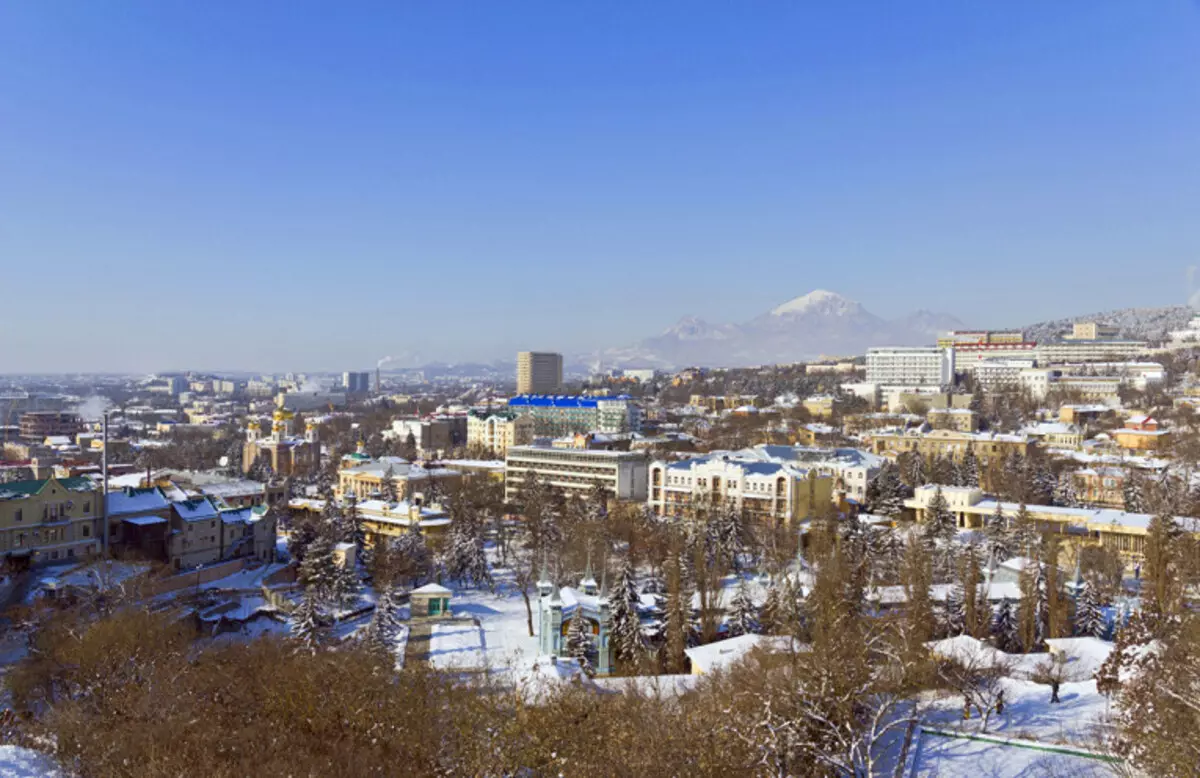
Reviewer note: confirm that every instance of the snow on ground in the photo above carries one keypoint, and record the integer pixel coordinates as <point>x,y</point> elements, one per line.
<point>456,646</point>
<point>953,757</point>
<point>17,762</point>
<point>250,578</point>
<point>502,619</point>
<point>1029,714</point>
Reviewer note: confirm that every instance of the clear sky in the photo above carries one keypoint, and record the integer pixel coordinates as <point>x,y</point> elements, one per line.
<point>280,184</point>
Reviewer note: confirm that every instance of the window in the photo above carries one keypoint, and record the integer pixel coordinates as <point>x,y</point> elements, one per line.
<point>87,507</point>
<point>87,531</point>
<point>17,515</point>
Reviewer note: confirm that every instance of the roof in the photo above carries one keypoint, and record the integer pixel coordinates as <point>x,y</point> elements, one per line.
<point>195,510</point>
<point>431,588</point>
<point>23,489</point>
<point>560,401</point>
<point>143,521</point>
<point>131,500</point>
<point>724,653</point>
<point>238,516</point>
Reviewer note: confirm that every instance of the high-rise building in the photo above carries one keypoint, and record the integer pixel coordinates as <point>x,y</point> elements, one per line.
<point>539,372</point>
<point>910,366</point>
<point>356,382</point>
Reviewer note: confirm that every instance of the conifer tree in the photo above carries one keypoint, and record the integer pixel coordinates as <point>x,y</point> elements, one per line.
<point>955,611</point>
<point>770,617</point>
<point>917,579</point>
<point>579,642</point>
<point>970,468</point>
<point>1004,628</point>
<point>1133,490</point>
<point>1089,615</point>
<point>466,559</point>
<point>387,487</point>
<point>380,633</point>
<point>305,624</point>
<point>1024,532</point>
<point>940,526</point>
<point>998,535</point>
<point>1161,591</point>
<point>1064,491</point>
<point>885,495</point>
<point>743,616</point>
<point>626,631</point>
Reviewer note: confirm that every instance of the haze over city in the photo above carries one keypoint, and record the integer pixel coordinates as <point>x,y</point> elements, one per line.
<point>297,185</point>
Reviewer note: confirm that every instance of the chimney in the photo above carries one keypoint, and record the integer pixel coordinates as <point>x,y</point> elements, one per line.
<point>377,381</point>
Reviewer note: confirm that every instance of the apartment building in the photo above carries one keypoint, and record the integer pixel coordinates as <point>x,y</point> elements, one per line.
<point>1001,375</point>
<point>539,372</point>
<point>48,520</point>
<point>623,474</point>
<point>496,431</point>
<point>36,426</point>
<point>988,446</point>
<point>910,366</point>
<point>559,415</point>
<point>763,488</point>
<point>411,481</point>
<point>1124,533</point>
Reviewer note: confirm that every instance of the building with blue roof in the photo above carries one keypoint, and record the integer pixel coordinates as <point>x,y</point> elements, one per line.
<point>556,415</point>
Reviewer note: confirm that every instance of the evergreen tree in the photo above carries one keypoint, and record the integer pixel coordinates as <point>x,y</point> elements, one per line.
<point>743,617</point>
<point>913,466</point>
<point>626,626</point>
<point>466,559</point>
<point>770,617</point>
<point>940,526</point>
<point>1004,628</point>
<point>1024,532</point>
<point>1134,491</point>
<point>678,618</point>
<point>1042,481</point>
<point>352,530</point>
<point>380,633</point>
<point>1032,609</point>
<point>970,468</point>
<point>1161,590</point>
<point>1089,615</point>
<point>305,623</point>
<point>387,487</point>
<point>955,611</point>
<point>579,642</point>
<point>1064,491</point>
<point>917,579</point>
<point>997,535</point>
<point>412,553</point>
<point>885,495</point>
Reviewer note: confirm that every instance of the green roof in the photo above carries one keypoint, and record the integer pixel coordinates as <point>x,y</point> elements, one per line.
<point>22,489</point>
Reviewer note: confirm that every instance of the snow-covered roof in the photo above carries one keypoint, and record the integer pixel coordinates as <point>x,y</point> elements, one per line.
<point>432,588</point>
<point>1084,654</point>
<point>144,521</point>
<point>195,510</point>
<point>724,653</point>
<point>130,500</point>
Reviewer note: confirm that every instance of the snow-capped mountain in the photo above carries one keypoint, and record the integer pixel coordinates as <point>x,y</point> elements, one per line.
<point>820,322</point>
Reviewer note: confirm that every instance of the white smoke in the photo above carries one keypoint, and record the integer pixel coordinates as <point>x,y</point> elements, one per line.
<point>384,361</point>
<point>93,408</point>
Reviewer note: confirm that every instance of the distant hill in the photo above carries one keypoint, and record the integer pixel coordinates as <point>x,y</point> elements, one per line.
<point>1133,323</point>
<point>803,328</point>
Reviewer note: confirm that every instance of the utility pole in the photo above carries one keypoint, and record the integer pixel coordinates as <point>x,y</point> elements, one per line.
<point>104,488</point>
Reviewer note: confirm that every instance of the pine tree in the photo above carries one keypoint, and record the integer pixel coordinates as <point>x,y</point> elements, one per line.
<point>1133,490</point>
<point>955,611</point>
<point>743,616</point>
<point>466,559</point>
<point>1161,590</point>
<point>917,579</point>
<point>305,624</point>
<point>914,469</point>
<point>579,642</point>
<point>412,553</point>
<point>970,468</point>
<point>770,617</point>
<point>1064,491</point>
<point>940,525</point>
<point>1042,482</point>
<point>352,530</point>
<point>387,486</point>
<point>1089,616</point>
<point>885,495</point>
<point>998,535</point>
<point>626,625</point>
<point>1004,628</point>
<point>380,633</point>
<point>678,617</point>
<point>1032,609</point>
<point>1024,532</point>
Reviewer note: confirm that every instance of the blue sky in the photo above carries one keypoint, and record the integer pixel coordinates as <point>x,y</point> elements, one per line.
<point>281,184</point>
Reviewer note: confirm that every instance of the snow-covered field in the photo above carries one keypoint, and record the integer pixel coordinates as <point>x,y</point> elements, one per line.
<point>456,646</point>
<point>17,762</point>
<point>938,756</point>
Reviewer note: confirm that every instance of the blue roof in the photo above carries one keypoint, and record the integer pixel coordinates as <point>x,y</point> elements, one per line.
<point>558,401</point>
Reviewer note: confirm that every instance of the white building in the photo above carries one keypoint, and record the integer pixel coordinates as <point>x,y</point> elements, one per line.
<point>763,488</point>
<point>1067,352</point>
<point>910,366</point>
<point>851,469</point>
<point>622,473</point>
<point>997,375</point>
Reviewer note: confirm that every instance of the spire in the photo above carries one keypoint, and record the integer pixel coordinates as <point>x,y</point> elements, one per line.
<point>604,579</point>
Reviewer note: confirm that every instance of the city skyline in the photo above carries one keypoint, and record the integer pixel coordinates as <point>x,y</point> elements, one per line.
<point>227,190</point>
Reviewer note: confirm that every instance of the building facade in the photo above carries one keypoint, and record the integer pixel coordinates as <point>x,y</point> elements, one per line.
<point>286,453</point>
<point>48,520</point>
<point>622,474</point>
<point>495,432</point>
<point>764,489</point>
<point>910,366</point>
<point>539,372</point>
<point>558,415</point>
<point>38,425</point>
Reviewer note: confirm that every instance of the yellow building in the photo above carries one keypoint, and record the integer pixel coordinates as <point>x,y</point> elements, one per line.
<point>495,432</point>
<point>956,419</point>
<point>988,446</point>
<point>284,452</point>
<point>1124,533</point>
<point>819,405</point>
<point>410,480</point>
<point>1142,433</point>
<point>390,520</point>
<point>55,519</point>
